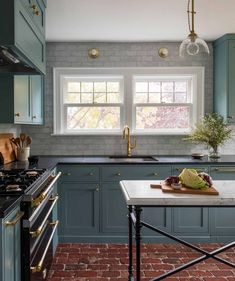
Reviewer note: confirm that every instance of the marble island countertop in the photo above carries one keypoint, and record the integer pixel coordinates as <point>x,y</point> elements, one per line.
<point>140,193</point>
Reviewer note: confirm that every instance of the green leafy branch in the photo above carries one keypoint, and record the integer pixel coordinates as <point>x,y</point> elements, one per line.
<point>212,131</point>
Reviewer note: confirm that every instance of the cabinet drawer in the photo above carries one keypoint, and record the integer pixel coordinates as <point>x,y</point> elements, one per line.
<point>140,172</point>
<point>79,173</point>
<point>176,170</point>
<point>222,172</point>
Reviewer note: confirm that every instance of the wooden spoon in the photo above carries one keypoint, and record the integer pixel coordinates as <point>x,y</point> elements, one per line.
<point>18,141</point>
<point>14,141</point>
<point>23,139</point>
<point>28,141</point>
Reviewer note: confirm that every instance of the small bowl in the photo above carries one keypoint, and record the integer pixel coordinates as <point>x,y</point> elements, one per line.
<point>176,185</point>
<point>197,155</point>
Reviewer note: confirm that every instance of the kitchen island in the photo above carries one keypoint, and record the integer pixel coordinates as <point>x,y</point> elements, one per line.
<point>139,194</point>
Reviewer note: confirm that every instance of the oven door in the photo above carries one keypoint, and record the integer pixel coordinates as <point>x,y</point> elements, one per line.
<point>42,258</point>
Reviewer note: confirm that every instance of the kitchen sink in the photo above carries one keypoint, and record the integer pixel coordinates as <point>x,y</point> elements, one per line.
<point>132,158</point>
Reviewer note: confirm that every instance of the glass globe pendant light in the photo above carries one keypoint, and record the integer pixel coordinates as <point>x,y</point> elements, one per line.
<point>193,44</point>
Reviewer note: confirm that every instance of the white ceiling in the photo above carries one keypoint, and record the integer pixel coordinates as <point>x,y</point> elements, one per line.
<point>136,20</point>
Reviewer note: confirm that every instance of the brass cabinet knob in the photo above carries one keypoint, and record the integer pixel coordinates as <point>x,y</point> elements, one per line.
<point>34,117</point>
<point>155,174</point>
<point>91,174</point>
<point>17,114</point>
<point>118,174</point>
<point>34,7</point>
<point>37,13</point>
<point>230,117</point>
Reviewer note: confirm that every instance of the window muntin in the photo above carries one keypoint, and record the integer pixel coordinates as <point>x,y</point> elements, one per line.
<point>92,103</point>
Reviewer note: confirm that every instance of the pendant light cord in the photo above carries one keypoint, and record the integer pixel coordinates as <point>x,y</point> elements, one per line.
<point>189,25</point>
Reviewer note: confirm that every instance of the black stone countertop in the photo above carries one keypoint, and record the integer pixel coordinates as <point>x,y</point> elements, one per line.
<point>7,204</point>
<point>49,162</point>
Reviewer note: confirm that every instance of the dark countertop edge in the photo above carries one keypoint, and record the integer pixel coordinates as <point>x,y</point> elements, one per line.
<point>10,203</point>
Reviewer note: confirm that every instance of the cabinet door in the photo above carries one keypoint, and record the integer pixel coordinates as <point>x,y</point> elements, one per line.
<point>231,81</point>
<point>114,209</point>
<point>157,217</point>
<point>12,254</point>
<point>22,101</point>
<point>190,221</point>
<point>79,209</point>
<point>37,98</point>
<point>222,219</point>
<point>28,39</point>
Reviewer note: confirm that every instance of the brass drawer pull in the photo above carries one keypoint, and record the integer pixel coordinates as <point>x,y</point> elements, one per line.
<point>14,222</point>
<point>37,201</point>
<point>224,170</point>
<point>41,228</point>
<point>118,174</point>
<point>67,174</point>
<point>97,189</point>
<point>155,174</point>
<point>91,174</point>
<point>198,170</point>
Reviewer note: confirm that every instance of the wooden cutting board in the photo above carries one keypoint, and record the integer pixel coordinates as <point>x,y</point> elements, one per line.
<point>184,190</point>
<point>7,153</point>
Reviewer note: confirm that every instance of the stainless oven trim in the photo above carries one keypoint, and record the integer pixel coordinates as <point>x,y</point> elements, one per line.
<point>38,267</point>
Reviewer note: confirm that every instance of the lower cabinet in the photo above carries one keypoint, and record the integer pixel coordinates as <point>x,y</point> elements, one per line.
<point>114,209</point>
<point>78,210</point>
<point>92,207</point>
<point>10,267</point>
<point>222,220</point>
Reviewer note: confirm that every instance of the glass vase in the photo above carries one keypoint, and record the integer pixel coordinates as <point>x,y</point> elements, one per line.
<point>213,152</point>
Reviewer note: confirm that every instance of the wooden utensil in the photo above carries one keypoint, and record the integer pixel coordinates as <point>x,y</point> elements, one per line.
<point>28,141</point>
<point>23,139</point>
<point>18,141</point>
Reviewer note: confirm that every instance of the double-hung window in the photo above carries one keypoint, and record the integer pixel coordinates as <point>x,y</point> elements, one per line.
<point>99,101</point>
<point>162,104</point>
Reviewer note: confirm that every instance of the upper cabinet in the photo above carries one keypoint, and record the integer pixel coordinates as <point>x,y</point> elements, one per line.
<point>22,99</point>
<point>224,73</point>
<point>22,31</point>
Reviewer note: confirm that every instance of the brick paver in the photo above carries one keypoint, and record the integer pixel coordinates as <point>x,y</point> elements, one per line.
<point>108,262</point>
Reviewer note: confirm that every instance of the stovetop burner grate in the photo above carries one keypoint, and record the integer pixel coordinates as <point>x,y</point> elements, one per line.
<point>17,181</point>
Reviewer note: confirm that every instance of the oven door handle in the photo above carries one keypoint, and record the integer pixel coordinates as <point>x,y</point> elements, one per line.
<point>37,201</point>
<point>40,229</point>
<point>38,268</point>
<point>14,222</point>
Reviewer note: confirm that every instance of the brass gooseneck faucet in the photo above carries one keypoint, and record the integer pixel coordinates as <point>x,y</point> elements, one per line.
<point>126,135</point>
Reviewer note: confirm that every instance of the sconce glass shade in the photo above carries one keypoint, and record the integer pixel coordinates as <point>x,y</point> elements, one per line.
<point>192,45</point>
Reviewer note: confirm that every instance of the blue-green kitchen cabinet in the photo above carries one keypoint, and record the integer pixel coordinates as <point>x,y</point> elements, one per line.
<point>191,222</point>
<point>22,99</point>
<point>224,72</point>
<point>22,29</point>
<point>10,267</point>
<point>222,219</point>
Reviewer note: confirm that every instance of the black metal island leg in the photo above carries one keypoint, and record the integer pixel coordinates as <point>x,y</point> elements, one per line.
<point>130,267</point>
<point>138,240</point>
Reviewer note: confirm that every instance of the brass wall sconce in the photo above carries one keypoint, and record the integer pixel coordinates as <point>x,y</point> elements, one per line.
<point>93,53</point>
<point>163,52</point>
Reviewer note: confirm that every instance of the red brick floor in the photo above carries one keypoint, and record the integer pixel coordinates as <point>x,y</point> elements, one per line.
<point>108,262</point>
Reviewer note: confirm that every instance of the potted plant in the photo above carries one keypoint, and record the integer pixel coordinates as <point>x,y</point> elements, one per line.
<point>212,131</point>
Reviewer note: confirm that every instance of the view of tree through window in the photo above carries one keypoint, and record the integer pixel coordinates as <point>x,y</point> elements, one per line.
<point>162,104</point>
<point>92,104</point>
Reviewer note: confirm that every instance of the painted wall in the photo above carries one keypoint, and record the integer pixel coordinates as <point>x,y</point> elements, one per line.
<point>114,55</point>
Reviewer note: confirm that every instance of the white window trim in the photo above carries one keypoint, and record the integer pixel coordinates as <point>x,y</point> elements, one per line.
<point>197,74</point>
